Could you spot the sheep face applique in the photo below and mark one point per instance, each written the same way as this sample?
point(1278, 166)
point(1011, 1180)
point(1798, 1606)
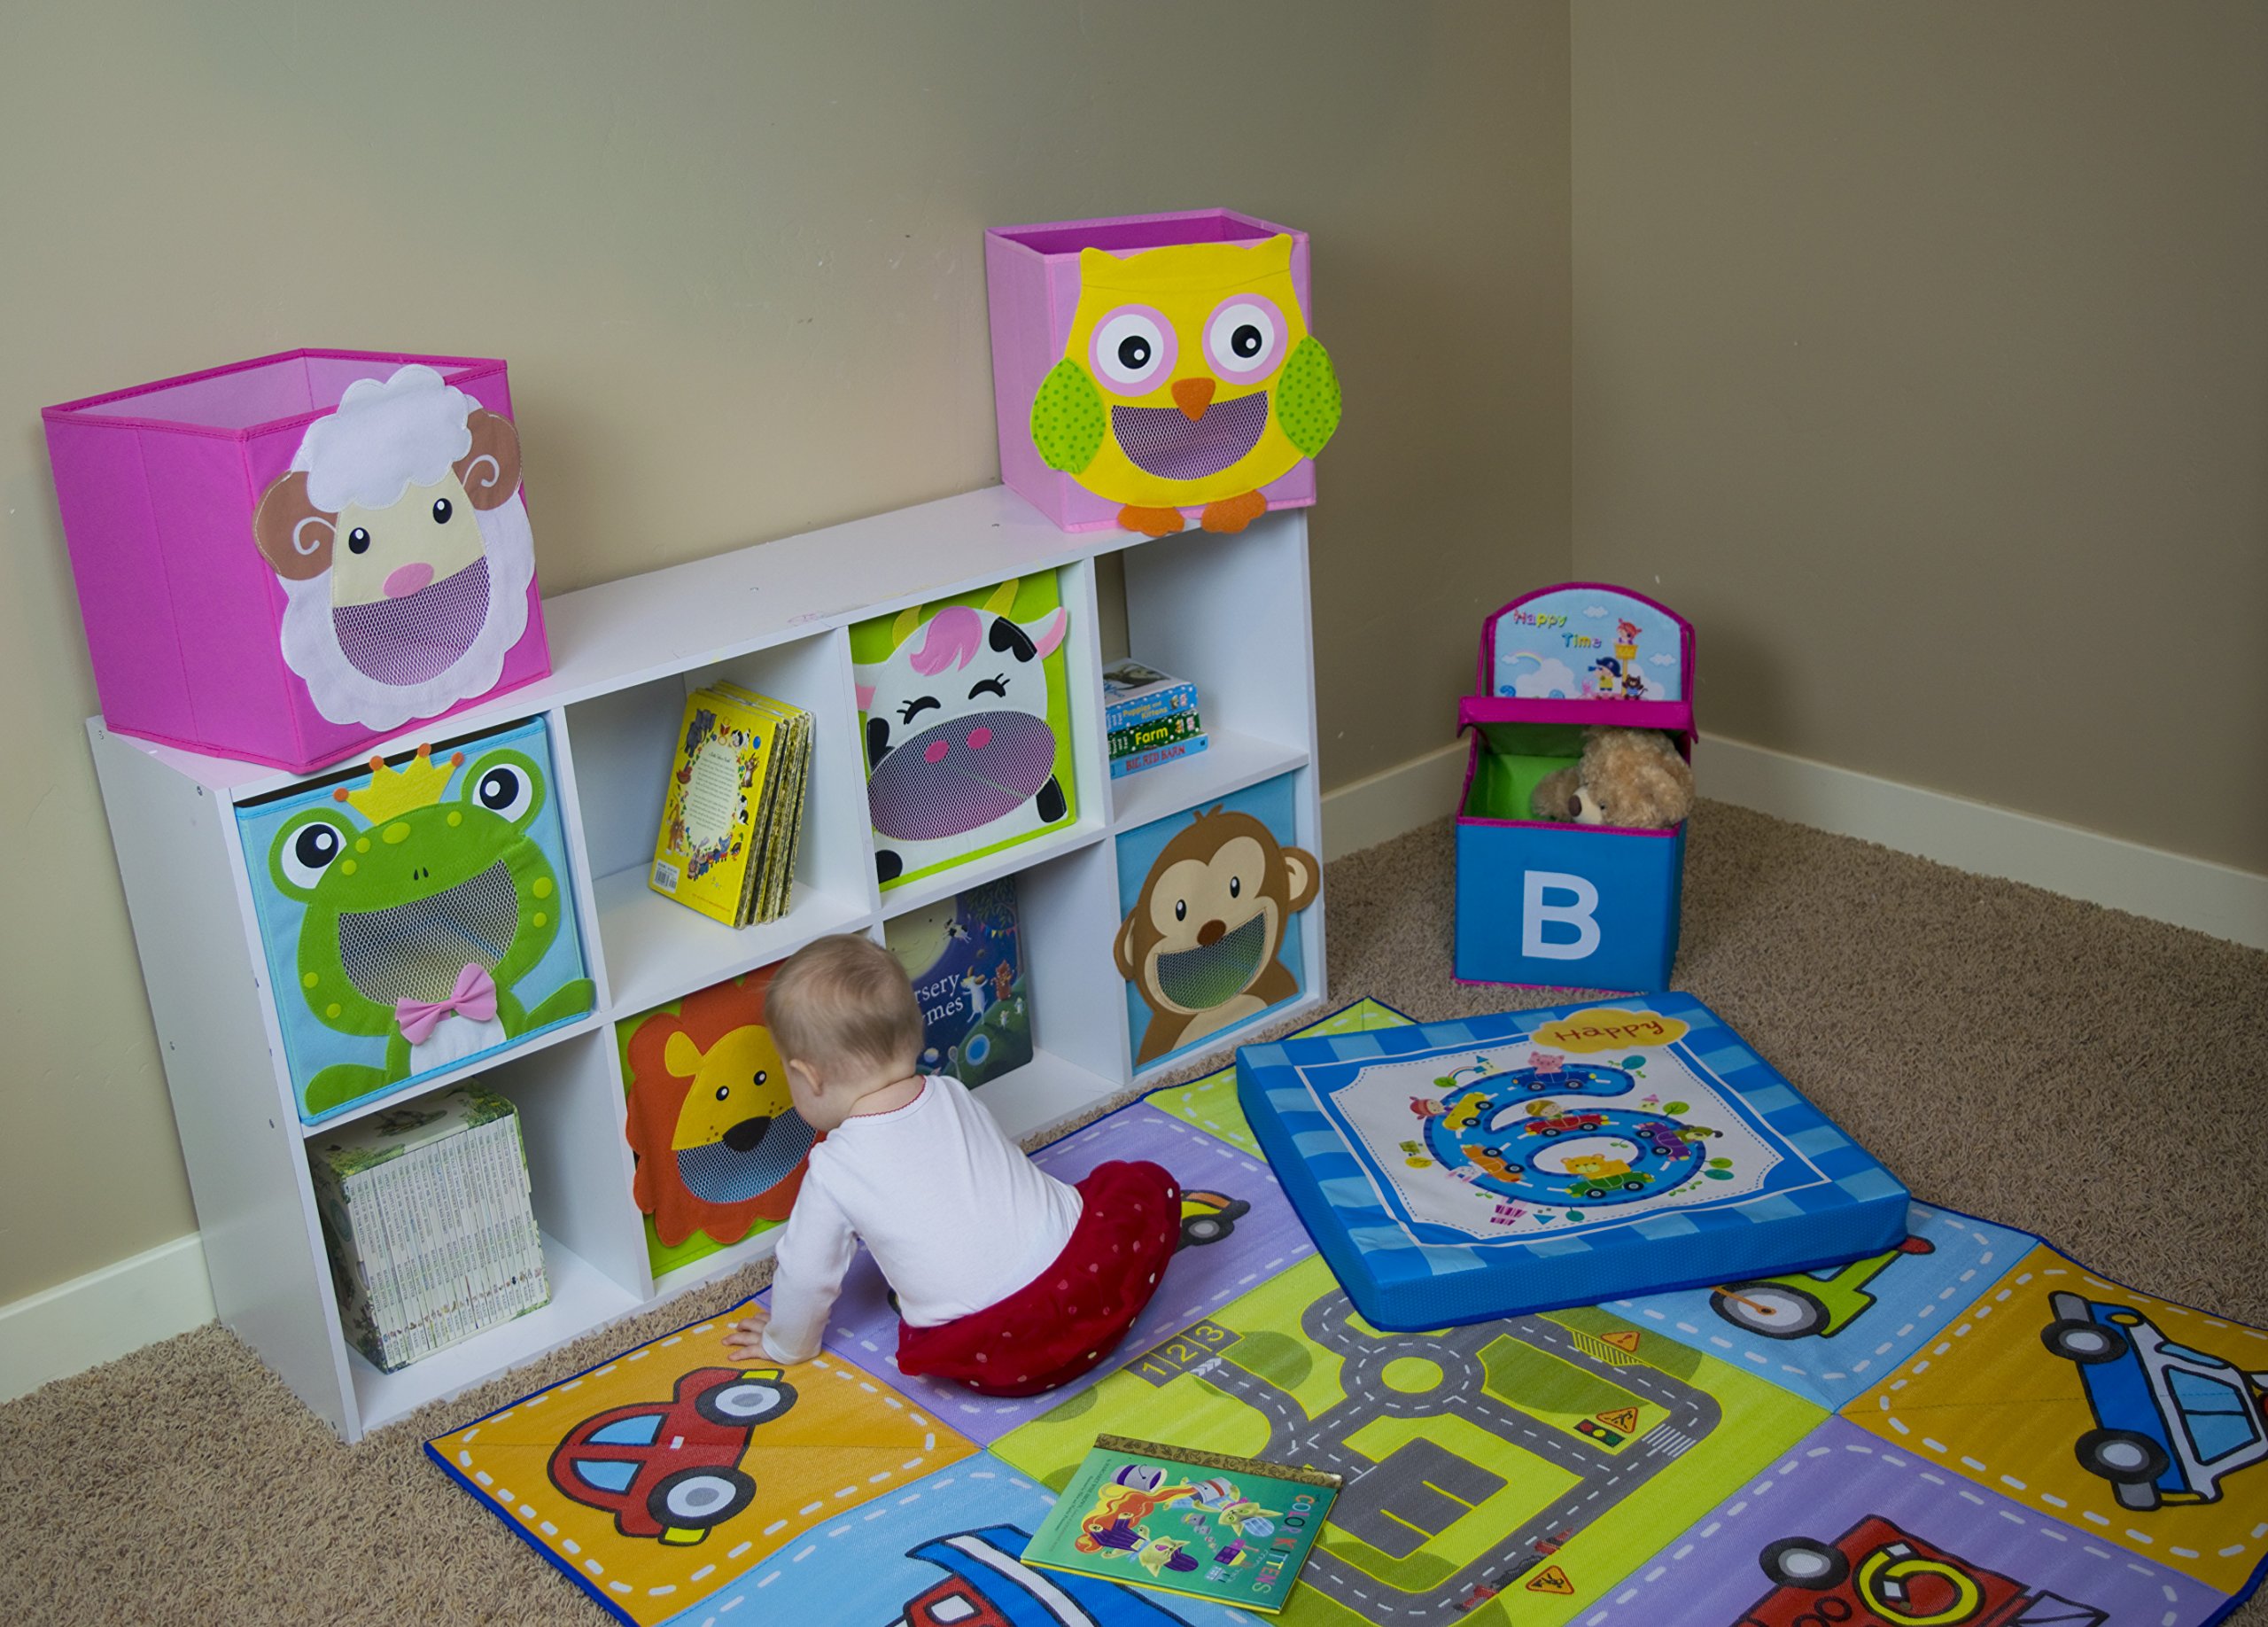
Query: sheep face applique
point(403, 548)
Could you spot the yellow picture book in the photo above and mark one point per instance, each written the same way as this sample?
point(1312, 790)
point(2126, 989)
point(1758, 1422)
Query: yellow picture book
point(732, 812)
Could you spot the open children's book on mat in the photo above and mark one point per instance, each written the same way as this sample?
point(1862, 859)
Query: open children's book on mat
point(1961, 1426)
point(1206, 1524)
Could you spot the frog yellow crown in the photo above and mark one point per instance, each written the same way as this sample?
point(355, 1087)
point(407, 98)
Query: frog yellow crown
point(395, 791)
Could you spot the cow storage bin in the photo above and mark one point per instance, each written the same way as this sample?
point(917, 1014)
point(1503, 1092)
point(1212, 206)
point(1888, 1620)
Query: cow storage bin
point(1175, 277)
point(1545, 903)
point(285, 559)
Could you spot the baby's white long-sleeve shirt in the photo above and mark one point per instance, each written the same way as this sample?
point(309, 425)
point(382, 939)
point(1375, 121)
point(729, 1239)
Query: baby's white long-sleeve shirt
point(953, 1212)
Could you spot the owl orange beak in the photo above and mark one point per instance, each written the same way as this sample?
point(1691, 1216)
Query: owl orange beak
point(1193, 396)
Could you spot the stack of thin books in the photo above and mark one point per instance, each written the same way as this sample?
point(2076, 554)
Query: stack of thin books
point(733, 815)
point(1150, 719)
point(425, 1214)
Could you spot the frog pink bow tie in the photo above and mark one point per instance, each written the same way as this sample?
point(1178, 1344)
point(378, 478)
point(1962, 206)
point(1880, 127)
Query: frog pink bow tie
point(474, 997)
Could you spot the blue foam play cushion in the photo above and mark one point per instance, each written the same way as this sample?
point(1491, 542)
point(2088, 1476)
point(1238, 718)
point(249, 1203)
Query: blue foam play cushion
point(1454, 1171)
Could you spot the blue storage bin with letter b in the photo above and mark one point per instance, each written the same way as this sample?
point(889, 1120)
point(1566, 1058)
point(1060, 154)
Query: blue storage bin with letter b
point(1543, 902)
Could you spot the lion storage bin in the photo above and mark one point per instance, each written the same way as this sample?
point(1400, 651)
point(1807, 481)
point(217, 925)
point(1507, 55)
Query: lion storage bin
point(285, 559)
point(1542, 902)
point(415, 915)
point(1154, 371)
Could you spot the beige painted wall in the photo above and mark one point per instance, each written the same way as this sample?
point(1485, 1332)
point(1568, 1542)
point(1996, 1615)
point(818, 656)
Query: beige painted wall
point(1920, 357)
point(732, 255)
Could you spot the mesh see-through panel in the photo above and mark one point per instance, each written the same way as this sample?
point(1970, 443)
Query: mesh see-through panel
point(415, 951)
point(1165, 442)
point(408, 640)
point(1200, 978)
point(717, 1174)
point(914, 799)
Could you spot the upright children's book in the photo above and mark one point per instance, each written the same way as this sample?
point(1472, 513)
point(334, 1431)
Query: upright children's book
point(1234, 1531)
point(732, 817)
point(964, 956)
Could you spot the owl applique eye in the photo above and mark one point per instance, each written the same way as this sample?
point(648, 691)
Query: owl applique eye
point(1244, 339)
point(1134, 350)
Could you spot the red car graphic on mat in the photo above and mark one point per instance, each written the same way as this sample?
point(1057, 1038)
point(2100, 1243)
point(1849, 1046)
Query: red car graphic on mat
point(1875, 1575)
point(671, 1470)
point(1561, 1123)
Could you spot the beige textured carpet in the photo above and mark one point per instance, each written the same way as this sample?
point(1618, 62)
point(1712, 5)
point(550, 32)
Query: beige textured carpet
point(2097, 1079)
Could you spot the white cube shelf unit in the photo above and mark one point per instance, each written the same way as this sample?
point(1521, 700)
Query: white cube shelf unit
point(1228, 612)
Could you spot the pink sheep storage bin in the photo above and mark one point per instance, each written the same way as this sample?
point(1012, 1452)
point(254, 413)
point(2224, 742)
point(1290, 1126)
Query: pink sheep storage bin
point(1154, 372)
point(285, 559)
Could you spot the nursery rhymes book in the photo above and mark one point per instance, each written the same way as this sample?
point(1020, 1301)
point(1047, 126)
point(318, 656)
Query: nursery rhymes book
point(1199, 1523)
point(964, 957)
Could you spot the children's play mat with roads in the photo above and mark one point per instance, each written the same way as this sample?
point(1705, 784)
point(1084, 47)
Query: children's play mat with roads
point(1968, 1429)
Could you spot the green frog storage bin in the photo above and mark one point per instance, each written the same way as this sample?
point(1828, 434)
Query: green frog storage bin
point(1544, 903)
point(416, 915)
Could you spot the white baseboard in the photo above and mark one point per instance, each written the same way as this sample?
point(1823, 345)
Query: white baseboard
point(122, 1307)
point(1989, 841)
point(104, 1315)
point(1976, 836)
point(1382, 805)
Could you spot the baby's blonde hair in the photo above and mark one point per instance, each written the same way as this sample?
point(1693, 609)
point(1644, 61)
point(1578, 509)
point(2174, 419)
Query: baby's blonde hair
point(844, 998)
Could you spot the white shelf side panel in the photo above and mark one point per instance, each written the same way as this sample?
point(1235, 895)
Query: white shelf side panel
point(1082, 681)
point(579, 1163)
point(1068, 911)
point(566, 786)
point(192, 917)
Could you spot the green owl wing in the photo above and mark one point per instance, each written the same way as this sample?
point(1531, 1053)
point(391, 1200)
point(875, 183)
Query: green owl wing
point(1306, 399)
point(1066, 418)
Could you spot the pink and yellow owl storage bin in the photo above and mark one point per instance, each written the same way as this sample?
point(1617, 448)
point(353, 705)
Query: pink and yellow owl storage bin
point(1548, 904)
point(1154, 372)
point(284, 559)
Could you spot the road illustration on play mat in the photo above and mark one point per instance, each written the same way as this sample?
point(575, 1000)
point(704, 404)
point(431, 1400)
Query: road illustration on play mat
point(1398, 1504)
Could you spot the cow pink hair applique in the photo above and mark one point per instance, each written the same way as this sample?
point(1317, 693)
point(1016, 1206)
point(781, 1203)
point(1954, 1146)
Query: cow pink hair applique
point(960, 756)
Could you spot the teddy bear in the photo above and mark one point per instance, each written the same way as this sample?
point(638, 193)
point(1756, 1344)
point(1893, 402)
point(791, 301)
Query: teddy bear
point(1633, 778)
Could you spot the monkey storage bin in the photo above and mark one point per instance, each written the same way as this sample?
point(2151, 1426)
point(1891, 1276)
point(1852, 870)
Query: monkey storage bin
point(284, 559)
point(1153, 371)
point(415, 915)
point(1545, 903)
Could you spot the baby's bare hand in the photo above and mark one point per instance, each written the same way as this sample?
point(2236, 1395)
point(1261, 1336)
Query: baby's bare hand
point(745, 1338)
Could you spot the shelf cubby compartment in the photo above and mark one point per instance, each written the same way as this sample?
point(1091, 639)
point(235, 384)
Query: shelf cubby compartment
point(1066, 908)
point(569, 1103)
point(1306, 927)
point(1229, 614)
point(656, 949)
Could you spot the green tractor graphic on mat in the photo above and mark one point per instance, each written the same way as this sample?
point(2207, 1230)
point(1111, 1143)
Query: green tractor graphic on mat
point(1806, 1302)
point(423, 910)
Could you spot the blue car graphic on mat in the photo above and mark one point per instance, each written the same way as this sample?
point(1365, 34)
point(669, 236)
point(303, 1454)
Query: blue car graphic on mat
point(2173, 1423)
